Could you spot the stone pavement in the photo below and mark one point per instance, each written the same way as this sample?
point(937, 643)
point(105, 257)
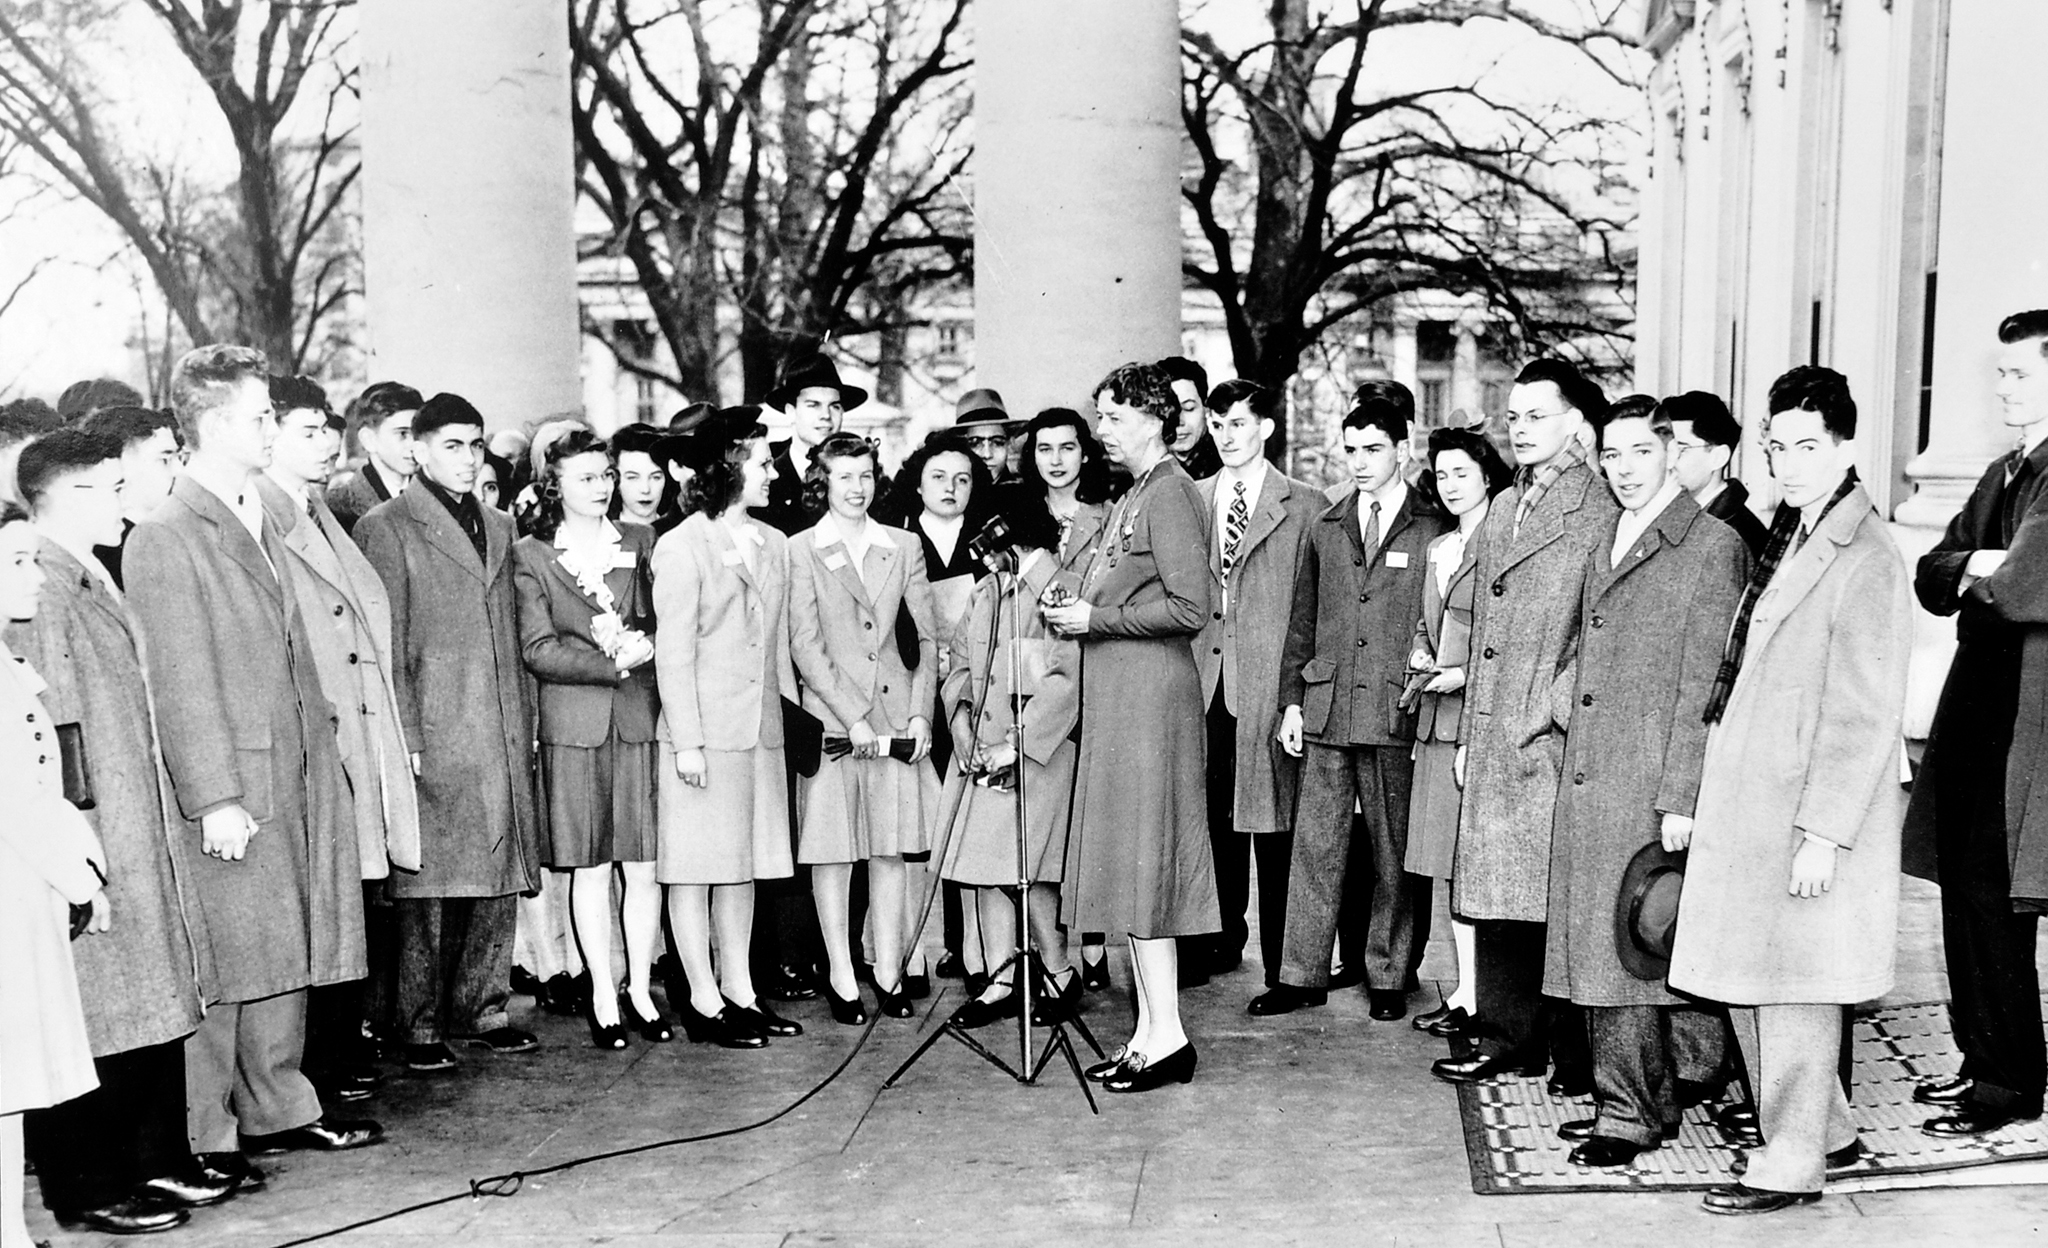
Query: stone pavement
point(1319, 1128)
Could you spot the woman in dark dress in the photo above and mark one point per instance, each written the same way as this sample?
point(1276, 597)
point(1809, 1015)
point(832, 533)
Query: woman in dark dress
point(1138, 857)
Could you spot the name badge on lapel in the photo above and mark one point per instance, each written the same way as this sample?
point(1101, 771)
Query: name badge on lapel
point(732, 559)
point(834, 562)
point(1397, 558)
point(624, 559)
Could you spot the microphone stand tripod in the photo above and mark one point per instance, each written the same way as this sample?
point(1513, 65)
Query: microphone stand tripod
point(1031, 977)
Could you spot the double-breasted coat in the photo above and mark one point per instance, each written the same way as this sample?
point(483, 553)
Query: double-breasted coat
point(1809, 742)
point(1524, 632)
point(1651, 631)
point(348, 620)
point(242, 720)
point(462, 695)
point(1240, 645)
point(138, 979)
point(842, 638)
point(49, 861)
point(1138, 855)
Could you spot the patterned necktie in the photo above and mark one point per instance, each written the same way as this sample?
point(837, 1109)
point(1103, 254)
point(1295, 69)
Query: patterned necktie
point(1235, 521)
point(311, 514)
point(1369, 530)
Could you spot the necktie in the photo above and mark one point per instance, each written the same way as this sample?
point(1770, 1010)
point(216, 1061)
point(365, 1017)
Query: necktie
point(310, 513)
point(1369, 529)
point(1235, 522)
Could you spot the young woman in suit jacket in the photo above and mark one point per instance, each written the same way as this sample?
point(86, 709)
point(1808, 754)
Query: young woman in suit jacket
point(848, 578)
point(1465, 472)
point(585, 631)
point(721, 591)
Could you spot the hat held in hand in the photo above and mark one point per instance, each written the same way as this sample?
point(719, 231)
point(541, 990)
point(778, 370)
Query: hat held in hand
point(1646, 911)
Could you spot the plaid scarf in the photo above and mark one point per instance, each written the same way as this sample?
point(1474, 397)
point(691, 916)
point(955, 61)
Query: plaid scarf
point(1536, 482)
point(1784, 529)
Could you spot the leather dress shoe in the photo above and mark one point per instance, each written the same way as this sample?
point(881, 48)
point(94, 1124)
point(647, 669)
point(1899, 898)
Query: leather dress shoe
point(1478, 1068)
point(1138, 1074)
point(427, 1058)
point(1426, 1019)
point(1579, 1130)
point(1954, 1091)
point(192, 1186)
point(137, 1215)
point(765, 1020)
point(974, 983)
point(563, 995)
point(1193, 972)
point(1387, 1004)
point(1454, 1024)
point(726, 1029)
point(786, 983)
point(1601, 1152)
point(949, 966)
point(846, 1010)
point(653, 1030)
point(894, 1004)
point(1095, 975)
point(1346, 977)
point(1568, 1086)
point(917, 986)
point(1285, 999)
point(980, 1012)
point(1104, 1069)
point(526, 983)
point(1841, 1159)
point(1737, 1198)
point(234, 1168)
point(503, 1040)
point(1055, 1004)
point(331, 1135)
point(1964, 1121)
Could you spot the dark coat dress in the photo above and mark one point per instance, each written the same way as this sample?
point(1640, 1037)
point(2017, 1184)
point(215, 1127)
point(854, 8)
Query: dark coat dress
point(242, 720)
point(462, 693)
point(1138, 856)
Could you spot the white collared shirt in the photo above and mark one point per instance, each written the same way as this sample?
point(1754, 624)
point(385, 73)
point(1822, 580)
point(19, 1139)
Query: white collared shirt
point(1633, 524)
point(944, 534)
point(870, 536)
point(1252, 476)
point(1444, 558)
point(246, 507)
point(746, 537)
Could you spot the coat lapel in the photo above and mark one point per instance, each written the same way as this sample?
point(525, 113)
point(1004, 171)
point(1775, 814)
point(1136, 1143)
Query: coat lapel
point(442, 533)
point(1804, 568)
point(837, 560)
point(234, 539)
point(1271, 512)
point(1543, 525)
point(1344, 513)
point(1207, 487)
point(1668, 529)
point(59, 563)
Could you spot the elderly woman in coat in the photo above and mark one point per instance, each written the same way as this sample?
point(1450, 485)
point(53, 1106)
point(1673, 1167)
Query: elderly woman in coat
point(49, 860)
point(1791, 898)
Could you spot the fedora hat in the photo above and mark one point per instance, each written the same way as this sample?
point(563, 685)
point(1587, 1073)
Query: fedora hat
point(689, 418)
point(981, 407)
point(811, 372)
point(1646, 911)
point(716, 434)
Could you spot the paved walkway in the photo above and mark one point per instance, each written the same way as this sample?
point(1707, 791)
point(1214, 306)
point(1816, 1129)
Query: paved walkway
point(1320, 1128)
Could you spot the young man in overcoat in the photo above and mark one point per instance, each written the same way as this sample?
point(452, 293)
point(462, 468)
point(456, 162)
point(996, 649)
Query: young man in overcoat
point(1536, 546)
point(1357, 597)
point(267, 856)
point(1790, 910)
point(445, 561)
point(1660, 589)
point(381, 420)
point(1258, 519)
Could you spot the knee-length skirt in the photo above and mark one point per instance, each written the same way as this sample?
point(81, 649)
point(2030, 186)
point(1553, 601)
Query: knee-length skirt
point(1138, 856)
point(860, 808)
point(983, 849)
point(1433, 805)
point(733, 830)
point(600, 803)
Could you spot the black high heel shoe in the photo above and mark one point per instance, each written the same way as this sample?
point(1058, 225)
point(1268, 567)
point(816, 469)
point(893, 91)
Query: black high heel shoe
point(894, 1004)
point(1103, 1070)
point(1139, 1075)
point(764, 1020)
point(612, 1038)
point(653, 1030)
point(980, 1013)
point(1095, 975)
point(847, 1010)
point(1060, 1004)
point(721, 1029)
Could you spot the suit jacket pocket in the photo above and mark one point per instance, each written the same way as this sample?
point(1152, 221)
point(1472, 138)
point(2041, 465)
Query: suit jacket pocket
point(1320, 677)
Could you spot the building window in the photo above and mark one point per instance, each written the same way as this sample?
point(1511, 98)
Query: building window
point(949, 338)
point(1493, 399)
point(1433, 403)
point(643, 400)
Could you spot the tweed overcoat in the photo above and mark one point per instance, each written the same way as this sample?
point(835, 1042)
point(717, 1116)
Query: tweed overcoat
point(1810, 742)
point(1651, 631)
point(582, 699)
point(722, 655)
point(138, 980)
point(48, 858)
point(1240, 646)
point(462, 696)
point(1524, 633)
point(1346, 657)
point(1445, 631)
point(348, 619)
point(353, 494)
point(242, 720)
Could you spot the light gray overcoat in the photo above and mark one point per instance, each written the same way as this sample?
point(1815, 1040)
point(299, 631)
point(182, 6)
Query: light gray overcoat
point(1810, 742)
point(1651, 631)
point(1524, 632)
point(1240, 645)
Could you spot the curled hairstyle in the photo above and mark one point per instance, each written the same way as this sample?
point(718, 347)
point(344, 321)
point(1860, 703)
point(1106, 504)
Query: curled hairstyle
point(1147, 387)
point(1481, 450)
point(1093, 485)
point(841, 445)
point(1633, 407)
point(716, 479)
point(1809, 387)
point(547, 507)
point(207, 377)
point(904, 501)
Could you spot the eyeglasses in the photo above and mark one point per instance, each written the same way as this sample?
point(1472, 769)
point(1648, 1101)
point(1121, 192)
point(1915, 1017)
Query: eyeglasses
point(989, 440)
point(1530, 418)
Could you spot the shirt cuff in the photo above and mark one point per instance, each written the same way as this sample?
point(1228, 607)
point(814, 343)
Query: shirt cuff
point(1820, 840)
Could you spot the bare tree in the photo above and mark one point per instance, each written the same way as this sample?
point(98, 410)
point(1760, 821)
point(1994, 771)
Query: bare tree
point(269, 260)
point(792, 174)
point(1326, 180)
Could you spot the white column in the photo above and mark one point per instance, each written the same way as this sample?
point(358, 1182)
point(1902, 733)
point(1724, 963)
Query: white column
point(469, 244)
point(1077, 194)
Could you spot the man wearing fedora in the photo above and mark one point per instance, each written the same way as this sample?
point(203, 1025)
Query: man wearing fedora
point(981, 419)
point(1661, 586)
point(816, 402)
point(1790, 912)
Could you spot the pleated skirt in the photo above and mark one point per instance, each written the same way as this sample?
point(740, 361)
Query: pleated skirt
point(599, 803)
point(733, 830)
point(860, 808)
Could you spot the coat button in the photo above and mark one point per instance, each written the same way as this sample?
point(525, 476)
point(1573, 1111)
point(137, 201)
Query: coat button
point(1361, 598)
point(1598, 622)
point(885, 688)
point(351, 658)
point(1489, 652)
point(871, 656)
point(1586, 700)
point(39, 736)
point(1499, 588)
point(337, 608)
point(1358, 563)
point(1361, 641)
point(869, 624)
point(1217, 616)
point(1579, 778)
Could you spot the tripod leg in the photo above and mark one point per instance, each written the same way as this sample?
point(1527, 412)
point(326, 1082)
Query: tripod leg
point(1061, 1042)
point(922, 1049)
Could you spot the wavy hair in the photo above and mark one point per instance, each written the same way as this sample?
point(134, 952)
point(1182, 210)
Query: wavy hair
point(1094, 485)
point(841, 445)
point(1148, 388)
point(903, 502)
point(546, 516)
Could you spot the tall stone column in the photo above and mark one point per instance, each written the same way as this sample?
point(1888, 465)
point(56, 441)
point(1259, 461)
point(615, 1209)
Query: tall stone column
point(1993, 252)
point(1077, 194)
point(469, 243)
